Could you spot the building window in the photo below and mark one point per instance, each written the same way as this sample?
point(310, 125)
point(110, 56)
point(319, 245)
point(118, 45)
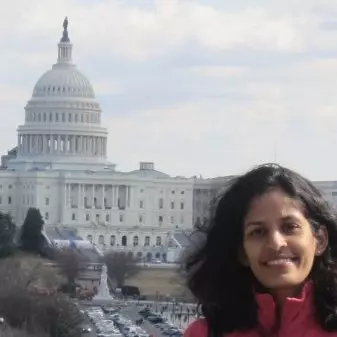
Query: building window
point(140, 219)
point(97, 217)
point(9, 200)
point(46, 215)
point(158, 241)
point(89, 238)
point(124, 240)
point(47, 201)
point(141, 204)
point(107, 218)
point(172, 204)
point(172, 219)
point(160, 219)
point(147, 241)
point(173, 192)
point(101, 240)
point(87, 217)
point(112, 240)
point(135, 240)
point(182, 192)
point(161, 203)
point(121, 218)
point(182, 205)
point(9, 187)
point(73, 217)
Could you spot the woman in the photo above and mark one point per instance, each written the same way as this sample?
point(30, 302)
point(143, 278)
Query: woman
point(268, 264)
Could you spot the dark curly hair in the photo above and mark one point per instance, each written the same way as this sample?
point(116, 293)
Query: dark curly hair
point(223, 286)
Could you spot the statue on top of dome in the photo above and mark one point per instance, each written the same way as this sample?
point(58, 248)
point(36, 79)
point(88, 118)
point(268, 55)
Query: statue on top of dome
point(65, 37)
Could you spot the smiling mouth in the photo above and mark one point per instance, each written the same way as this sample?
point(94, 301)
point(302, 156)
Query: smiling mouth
point(282, 261)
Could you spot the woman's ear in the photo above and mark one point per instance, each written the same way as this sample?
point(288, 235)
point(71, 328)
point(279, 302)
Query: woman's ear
point(322, 238)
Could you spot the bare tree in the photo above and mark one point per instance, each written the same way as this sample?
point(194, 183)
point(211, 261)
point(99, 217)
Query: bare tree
point(30, 310)
point(27, 272)
point(121, 266)
point(70, 262)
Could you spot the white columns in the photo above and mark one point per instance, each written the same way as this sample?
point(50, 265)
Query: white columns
point(129, 196)
point(79, 198)
point(126, 196)
point(52, 144)
point(112, 196)
point(65, 195)
point(93, 196)
point(73, 144)
point(95, 146)
point(103, 192)
point(104, 147)
point(30, 144)
point(58, 144)
point(44, 144)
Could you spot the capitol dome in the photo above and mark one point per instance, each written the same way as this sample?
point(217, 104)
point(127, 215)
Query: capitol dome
point(62, 128)
point(63, 81)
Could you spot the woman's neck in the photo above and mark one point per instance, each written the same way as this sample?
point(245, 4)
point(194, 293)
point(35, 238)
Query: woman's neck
point(280, 295)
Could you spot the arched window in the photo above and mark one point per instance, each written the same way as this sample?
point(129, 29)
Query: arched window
point(158, 241)
point(147, 241)
point(148, 257)
point(112, 240)
point(124, 240)
point(161, 203)
point(89, 238)
point(135, 240)
point(101, 240)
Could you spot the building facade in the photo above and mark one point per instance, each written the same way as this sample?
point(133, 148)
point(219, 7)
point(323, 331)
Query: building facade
point(60, 166)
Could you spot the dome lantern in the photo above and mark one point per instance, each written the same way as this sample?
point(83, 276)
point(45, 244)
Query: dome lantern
point(64, 47)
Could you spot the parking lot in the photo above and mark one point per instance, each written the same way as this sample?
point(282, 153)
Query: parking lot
point(132, 321)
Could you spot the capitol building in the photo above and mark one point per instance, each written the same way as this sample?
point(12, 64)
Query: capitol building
point(60, 166)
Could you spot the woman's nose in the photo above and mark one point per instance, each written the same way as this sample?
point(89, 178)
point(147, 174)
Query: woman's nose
point(276, 240)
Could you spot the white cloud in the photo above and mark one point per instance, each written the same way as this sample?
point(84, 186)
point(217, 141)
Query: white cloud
point(139, 34)
point(207, 89)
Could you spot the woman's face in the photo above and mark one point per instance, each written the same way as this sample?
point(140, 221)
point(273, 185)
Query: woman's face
point(278, 242)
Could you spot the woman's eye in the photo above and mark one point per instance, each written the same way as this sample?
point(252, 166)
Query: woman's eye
point(257, 232)
point(289, 227)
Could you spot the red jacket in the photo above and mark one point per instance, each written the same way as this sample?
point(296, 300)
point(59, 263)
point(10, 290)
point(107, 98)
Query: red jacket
point(297, 319)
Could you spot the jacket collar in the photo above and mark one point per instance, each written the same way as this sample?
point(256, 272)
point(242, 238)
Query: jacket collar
point(295, 311)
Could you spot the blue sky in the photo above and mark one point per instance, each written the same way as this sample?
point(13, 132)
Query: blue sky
point(209, 87)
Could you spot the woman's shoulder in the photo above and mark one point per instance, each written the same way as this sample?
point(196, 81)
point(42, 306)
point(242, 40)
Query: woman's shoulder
point(197, 329)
